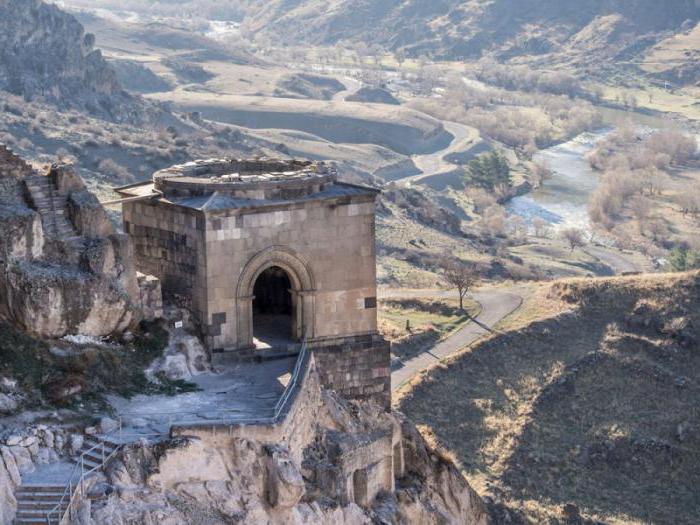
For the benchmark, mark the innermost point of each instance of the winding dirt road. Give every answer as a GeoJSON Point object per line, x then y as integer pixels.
{"type": "Point", "coordinates": [495, 306]}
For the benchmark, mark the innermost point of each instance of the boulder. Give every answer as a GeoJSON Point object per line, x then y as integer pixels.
{"type": "Point", "coordinates": [8, 503]}
{"type": "Point", "coordinates": [108, 425]}
{"type": "Point", "coordinates": [10, 465]}
{"type": "Point", "coordinates": [23, 459]}
{"type": "Point", "coordinates": [76, 443]}
{"type": "Point", "coordinates": [81, 302]}
{"type": "Point", "coordinates": [8, 385]}
{"type": "Point", "coordinates": [184, 357]}
{"type": "Point", "coordinates": [46, 456]}
{"type": "Point", "coordinates": [14, 439]}
{"type": "Point", "coordinates": [46, 437]}
{"type": "Point", "coordinates": [285, 484]}
{"type": "Point", "coordinates": [8, 404]}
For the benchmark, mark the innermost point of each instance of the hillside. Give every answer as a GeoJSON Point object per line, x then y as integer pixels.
{"type": "Point", "coordinates": [588, 405]}
{"type": "Point", "coordinates": [567, 31]}
{"type": "Point", "coordinates": [46, 55]}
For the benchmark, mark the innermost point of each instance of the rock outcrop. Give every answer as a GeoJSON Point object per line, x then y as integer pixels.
{"type": "Point", "coordinates": [359, 465]}
{"type": "Point", "coordinates": [46, 54]}
{"type": "Point", "coordinates": [63, 267]}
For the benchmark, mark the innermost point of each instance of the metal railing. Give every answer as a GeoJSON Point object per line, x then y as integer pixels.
{"type": "Point", "coordinates": [74, 491]}
{"type": "Point", "coordinates": [77, 488]}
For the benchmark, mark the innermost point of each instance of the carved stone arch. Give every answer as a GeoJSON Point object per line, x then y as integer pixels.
{"type": "Point", "coordinates": [303, 292]}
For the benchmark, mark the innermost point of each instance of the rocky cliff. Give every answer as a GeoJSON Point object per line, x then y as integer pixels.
{"type": "Point", "coordinates": [331, 470]}
{"type": "Point", "coordinates": [46, 54]}
{"type": "Point", "coordinates": [63, 268]}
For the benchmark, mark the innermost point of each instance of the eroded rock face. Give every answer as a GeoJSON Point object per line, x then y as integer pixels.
{"type": "Point", "coordinates": [216, 476]}
{"type": "Point", "coordinates": [63, 268]}
{"type": "Point", "coordinates": [185, 355]}
{"type": "Point", "coordinates": [45, 53]}
{"type": "Point", "coordinates": [285, 484]}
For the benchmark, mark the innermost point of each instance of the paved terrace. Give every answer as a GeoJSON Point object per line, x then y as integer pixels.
{"type": "Point", "coordinates": [245, 391]}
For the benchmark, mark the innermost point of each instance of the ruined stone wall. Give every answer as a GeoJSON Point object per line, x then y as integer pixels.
{"type": "Point", "coordinates": [330, 461]}
{"type": "Point", "coordinates": [356, 368]}
{"type": "Point", "coordinates": [168, 245]}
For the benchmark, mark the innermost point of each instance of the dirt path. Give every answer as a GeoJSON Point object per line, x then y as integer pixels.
{"type": "Point", "coordinates": [618, 262]}
{"type": "Point", "coordinates": [352, 86]}
{"type": "Point", "coordinates": [434, 164]}
{"type": "Point", "coordinates": [495, 305]}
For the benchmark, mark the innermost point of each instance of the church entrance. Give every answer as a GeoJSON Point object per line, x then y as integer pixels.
{"type": "Point", "coordinates": [273, 309]}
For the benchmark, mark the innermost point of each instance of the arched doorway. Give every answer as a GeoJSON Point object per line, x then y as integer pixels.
{"type": "Point", "coordinates": [301, 293]}
{"type": "Point", "coordinates": [273, 308]}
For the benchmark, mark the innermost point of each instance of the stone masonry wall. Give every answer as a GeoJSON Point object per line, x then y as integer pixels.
{"type": "Point", "coordinates": [334, 239]}
{"type": "Point", "coordinates": [167, 244]}
{"type": "Point", "coordinates": [356, 368]}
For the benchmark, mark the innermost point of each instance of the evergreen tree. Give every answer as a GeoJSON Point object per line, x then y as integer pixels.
{"type": "Point", "coordinates": [683, 259]}
{"type": "Point", "coordinates": [489, 171]}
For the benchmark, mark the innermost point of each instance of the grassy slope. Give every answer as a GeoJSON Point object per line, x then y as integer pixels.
{"type": "Point", "coordinates": [580, 402]}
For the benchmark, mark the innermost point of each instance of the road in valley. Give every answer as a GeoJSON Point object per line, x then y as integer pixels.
{"type": "Point", "coordinates": [495, 306]}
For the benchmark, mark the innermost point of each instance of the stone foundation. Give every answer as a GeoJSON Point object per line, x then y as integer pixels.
{"type": "Point", "coordinates": [356, 367]}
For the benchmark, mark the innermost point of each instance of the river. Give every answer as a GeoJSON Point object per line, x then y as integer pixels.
{"type": "Point", "coordinates": [563, 201]}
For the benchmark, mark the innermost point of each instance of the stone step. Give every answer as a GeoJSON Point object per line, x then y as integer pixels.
{"type": "Point", "coordinates": [40, 496]}
{"type": "Point", "coordinates": [96, 455]}
{"type": "Point", "coordinates": [89, 464]}
{"type": "Point", "coordinates": [33, 514]}
{"type": "Point", "coordinates": [34, 487]}
{"type": "Point", "coordinates": [91, 443]}
{"type": "Point", "coordinates": [41, 505]}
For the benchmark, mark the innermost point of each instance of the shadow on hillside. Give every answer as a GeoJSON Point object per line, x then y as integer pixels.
{"type": "Point", "coordinates": [480, 385]}
{"type": "Point", "coordinates": [599, 407]}
{"type": "Point", "coordinates": [605, 436]}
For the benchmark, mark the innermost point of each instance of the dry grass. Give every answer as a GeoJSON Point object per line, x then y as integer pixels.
{"type": "Point", "coordinates": [429, 321]}
{"type": "Point", "coordinates": [590, 398]}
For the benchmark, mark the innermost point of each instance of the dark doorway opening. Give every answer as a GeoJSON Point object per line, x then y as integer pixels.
{"type": "Point", "coordinates": [273, 308]}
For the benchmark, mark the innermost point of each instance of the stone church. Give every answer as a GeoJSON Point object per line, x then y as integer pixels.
{"type": "Point", "coordinates": [267, 254]}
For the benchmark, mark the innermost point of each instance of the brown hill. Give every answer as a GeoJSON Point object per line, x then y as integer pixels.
{"type": "Point", "coordinates": [591, 409]}
{"type": "Point", "coordinates": [578, 31]}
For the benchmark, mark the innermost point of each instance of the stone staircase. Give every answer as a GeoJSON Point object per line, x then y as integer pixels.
{"type": "Point", "coordinates": [52, 206]}
{"type": "Point", "coordinates": [35, 501]}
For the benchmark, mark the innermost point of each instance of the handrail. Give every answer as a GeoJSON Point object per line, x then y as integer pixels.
{"type": "Point", "coordinates": [69, 492]}
{"type": "Point", "coordinates": [277, 412]}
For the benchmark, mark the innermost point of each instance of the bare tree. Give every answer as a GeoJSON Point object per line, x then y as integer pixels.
{"type": "Point", "coordinates": [658, 229]}
{"type": "Point", "coordinates": [574, 237]}
{"type": "Point", "coordinates": [541, 172]}
{"type": "Point", "coordinates": [641, 209]}
{"type": "Point", "coordinates": [482, 199]}
{"type": "Point", "coordinates": [541, 227]}
{"type": "Point", "coordinates": [459, 275]}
